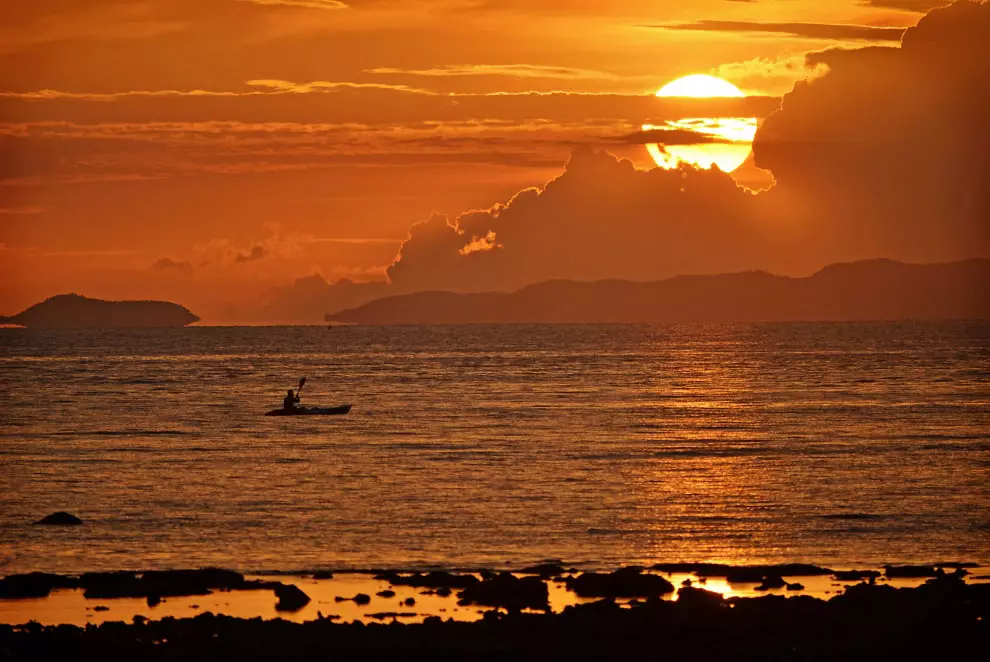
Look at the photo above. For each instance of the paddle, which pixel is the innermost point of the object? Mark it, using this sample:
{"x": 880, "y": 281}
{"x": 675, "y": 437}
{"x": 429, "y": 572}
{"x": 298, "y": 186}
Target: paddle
{"x": 302, "y": 382}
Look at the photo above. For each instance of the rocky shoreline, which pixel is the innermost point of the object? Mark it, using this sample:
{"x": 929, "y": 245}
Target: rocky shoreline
{"x": 944, "y": 618}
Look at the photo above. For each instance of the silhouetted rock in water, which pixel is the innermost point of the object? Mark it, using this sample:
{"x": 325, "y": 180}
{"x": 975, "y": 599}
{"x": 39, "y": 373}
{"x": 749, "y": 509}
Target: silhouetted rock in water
{"x": 359, "y": 599}
{"x": 409, "y": 602}
{"x": 743, "y": 574}
{"x": 387, "y": 593}
{"x": 770, "y": 583}
{"x": 434, "y": 579}
{"x": 909, "y": 571}
{"x": 323, "y": 574}
{"x": 624, "y": 583}
{"x": 154, "y": 600}
{"x": 544, "y": 570}
{"x": 61, "y": 518}
{"x": 33, "y": 585}
{"x": 509, "y": 592}
{"x": 162, "y": 583}
{"x": 101, "y": 608}
{"x": 867, "y": 290}
{"x": 290, "y": 598}
{"x": 102, "y": 585}
{"x": 699, "y": 598}
{"x": 75, "y": 311}
{"x": 856, "y": 575}
{"x": 796, "y": 586}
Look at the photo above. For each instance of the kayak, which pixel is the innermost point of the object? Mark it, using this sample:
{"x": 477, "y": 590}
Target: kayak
{"x": 311, "y": 411}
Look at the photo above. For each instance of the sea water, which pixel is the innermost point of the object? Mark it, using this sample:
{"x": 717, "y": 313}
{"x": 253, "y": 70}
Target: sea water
{"x": 491, "y": 446}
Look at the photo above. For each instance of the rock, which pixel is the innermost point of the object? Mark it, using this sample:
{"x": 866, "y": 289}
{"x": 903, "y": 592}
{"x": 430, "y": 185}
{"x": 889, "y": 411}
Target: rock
{"x": 290, "y": 598}
{"x": 360, "y": 599}
{"x": 434, "y": 579}
{"x": 169, "y": 583}
{"x": 323, "y": 574}
{"x": 771, "y": 582}
{"x": 154, "y": 600}
{"x": 795, "y": 587}
{"x": 856, "y": 575}
{"x": 545, "y": 570}
{"x": 409, "y": 602}
{"x": 743, "y": 574}
{"x": 102, "y": 585}
{"x": 387, "y": 593}
{"x": 910, "y": 571}
{"x": 698, "y": 598}
{"x": 33, "y": 585}
{"x": 61, "y": 518}
{"x": 505, "y": 590}
{"x": 101, "y": 608}
{"x": 624, "y": 583}
{"x": 164, "y": 583}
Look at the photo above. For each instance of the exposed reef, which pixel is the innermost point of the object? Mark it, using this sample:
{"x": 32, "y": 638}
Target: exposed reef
{"x": 943, "y": 619}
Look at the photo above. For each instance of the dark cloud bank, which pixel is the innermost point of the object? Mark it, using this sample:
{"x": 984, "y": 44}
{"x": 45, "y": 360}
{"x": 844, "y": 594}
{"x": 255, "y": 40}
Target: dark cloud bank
{"x": 887, "y": 155}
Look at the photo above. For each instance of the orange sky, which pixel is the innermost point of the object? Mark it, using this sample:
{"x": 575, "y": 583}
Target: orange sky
{"x": 212, "y": 152}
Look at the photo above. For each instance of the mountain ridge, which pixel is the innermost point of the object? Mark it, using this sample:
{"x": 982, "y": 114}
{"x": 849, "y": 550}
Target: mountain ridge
{"x": 875, "y": 289}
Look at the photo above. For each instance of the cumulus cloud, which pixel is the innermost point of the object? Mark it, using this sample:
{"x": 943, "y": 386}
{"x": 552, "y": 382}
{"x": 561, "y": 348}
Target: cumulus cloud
{"x": 601, "y": 218}
{"x": 886, "y": 154}
{"x": 257, "y": 252}
{"x": 889, "y": 149}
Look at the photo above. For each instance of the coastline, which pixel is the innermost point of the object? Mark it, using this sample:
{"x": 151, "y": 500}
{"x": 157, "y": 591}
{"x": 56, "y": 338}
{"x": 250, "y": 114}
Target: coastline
{"x": 940, "y": 617}
{"x": 412, "y": 596}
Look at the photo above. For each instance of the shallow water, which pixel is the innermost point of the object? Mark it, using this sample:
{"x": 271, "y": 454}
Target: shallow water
{"x": 69, "y": 606}
{"x": 838, "y": 444}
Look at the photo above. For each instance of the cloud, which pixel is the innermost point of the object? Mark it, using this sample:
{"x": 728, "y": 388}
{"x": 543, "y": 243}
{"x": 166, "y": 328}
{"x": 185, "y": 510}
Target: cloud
{"x": 602, "y": 218}
{"x": 513, "y": 70}
{"x": 669, "y": 137}
{"x": 890, "y": 146}
{"x": 885, "y": 154}
{"x": 920, "y": 6}
{"x": 168, "y": 264}
{"x": 773, "y": 76}
{"x": 802, "y": 30}
{"x": 257, "y": 252}
{"x": 307, "y": 4}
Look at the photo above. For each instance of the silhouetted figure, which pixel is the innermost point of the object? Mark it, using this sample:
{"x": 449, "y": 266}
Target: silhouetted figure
{"x": 290, "y": 401}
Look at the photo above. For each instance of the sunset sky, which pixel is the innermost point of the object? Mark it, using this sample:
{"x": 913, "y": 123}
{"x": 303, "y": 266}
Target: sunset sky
{"x": 241, "y": 156}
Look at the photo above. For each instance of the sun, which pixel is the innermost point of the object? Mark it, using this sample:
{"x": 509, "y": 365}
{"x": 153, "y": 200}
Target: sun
{"x": 725, "y": 142}
{"x": 698, "y": 86}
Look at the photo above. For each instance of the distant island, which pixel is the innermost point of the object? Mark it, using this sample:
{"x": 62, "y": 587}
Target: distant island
{"x": 76, "y": 311}
{"x": 878, "y": 289}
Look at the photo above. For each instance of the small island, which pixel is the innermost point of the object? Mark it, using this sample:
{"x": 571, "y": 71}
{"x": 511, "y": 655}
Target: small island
{"x": 75, "y": 311}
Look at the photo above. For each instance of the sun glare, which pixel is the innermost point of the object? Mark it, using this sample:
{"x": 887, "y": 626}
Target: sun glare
{"x": 698, "y": 86}
{"x": 723, "y": 142}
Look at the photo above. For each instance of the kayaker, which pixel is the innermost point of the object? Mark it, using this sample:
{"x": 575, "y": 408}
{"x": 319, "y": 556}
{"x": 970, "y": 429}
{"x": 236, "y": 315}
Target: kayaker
{"x": 290, "y": 401}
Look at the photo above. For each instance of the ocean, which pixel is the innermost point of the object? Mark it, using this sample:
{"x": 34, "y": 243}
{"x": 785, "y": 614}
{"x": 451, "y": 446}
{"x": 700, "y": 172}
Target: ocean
{"x": 496, "y": 446}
